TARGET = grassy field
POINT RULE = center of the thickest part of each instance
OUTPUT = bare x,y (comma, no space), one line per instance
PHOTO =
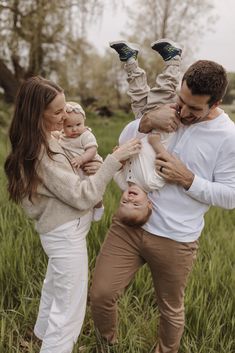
210,299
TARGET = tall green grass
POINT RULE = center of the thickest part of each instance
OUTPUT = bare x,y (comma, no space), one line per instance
210,299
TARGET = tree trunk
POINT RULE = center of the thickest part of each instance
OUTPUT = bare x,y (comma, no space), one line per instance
8,82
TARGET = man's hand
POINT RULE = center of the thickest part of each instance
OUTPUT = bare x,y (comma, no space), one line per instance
172,169
163,118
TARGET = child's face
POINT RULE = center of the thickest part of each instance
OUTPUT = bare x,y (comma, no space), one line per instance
134,203
74,125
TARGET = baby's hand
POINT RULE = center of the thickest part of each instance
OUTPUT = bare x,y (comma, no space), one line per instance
90,168
155,141
76,162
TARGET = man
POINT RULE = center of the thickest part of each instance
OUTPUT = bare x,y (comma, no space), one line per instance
199,168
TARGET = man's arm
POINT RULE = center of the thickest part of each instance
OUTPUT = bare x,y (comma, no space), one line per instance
212,193
163,118
219,192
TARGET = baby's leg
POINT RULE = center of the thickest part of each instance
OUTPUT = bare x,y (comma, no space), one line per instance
138,88
166,82
136,77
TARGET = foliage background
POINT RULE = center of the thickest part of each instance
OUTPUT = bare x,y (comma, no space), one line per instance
51,38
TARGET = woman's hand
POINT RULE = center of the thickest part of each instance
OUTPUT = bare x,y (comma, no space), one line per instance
91,167
127,150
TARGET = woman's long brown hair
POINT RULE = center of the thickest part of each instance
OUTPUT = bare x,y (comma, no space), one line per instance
28,137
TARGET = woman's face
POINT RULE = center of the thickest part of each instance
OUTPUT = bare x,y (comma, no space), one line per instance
55,113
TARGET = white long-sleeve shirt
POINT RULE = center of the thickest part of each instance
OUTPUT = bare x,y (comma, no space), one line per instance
208,150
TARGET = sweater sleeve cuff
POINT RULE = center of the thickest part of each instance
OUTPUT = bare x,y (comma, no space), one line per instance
112,162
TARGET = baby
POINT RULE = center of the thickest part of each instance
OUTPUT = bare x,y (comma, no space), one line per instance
79,144
138,176
77,140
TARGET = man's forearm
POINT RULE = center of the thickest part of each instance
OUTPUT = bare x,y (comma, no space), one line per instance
212,193
161,118
187,181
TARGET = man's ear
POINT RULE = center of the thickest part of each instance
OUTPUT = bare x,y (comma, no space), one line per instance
216,104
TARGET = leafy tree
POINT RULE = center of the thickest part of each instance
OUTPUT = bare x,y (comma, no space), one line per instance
50,38
36,34
183,21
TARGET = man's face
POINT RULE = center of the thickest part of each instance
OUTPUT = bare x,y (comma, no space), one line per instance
193,108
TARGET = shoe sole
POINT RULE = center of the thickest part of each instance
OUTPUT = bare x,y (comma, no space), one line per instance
166,40
130,45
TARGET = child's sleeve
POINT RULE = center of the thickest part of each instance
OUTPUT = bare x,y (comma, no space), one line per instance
88,140
130,131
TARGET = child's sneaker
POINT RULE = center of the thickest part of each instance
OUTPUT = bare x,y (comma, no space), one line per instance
166,48
125,50
97,213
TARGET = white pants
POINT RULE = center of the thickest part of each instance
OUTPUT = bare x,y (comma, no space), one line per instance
64,292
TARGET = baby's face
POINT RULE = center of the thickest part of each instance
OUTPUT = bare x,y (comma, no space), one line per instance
74,125
134,202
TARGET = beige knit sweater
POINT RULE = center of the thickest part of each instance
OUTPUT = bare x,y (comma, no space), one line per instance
63,196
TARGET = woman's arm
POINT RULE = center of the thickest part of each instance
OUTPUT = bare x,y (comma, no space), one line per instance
59,179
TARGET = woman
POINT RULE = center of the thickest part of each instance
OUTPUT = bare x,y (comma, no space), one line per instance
41,179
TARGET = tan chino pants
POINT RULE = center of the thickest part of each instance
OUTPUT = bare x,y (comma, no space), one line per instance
124,251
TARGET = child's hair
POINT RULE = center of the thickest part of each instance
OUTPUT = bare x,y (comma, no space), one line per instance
75,107
131,220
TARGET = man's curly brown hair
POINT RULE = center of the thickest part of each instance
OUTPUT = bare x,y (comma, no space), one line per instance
206,77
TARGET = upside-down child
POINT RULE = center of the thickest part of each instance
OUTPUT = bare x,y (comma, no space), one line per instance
138,176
